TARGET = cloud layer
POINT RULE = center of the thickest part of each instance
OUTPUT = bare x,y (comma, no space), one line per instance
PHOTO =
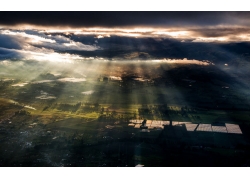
70,36
34,44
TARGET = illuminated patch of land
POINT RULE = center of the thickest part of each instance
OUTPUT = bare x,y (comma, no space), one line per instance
118,114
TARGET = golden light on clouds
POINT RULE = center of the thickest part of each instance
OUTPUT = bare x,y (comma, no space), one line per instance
208,39
173,33
30,37
53,57
193,34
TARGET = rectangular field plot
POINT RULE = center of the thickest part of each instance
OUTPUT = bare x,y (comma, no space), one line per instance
165,122
175,123
180,123
157,122
137,126
204,127
191,127
221,129
137,121
233,128
149,121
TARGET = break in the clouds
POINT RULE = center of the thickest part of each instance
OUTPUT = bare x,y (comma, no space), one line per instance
33,44
33,38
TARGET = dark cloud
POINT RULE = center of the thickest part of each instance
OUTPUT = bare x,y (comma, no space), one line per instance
9,54
218,32
113,19
8,42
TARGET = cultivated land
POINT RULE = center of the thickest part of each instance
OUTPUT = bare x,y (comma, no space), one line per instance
80,114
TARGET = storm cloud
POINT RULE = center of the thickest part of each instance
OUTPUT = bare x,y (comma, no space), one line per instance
121,19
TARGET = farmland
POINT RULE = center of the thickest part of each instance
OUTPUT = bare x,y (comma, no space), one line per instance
112,113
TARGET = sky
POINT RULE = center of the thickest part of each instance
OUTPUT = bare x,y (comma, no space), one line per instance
74,35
